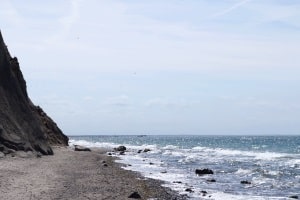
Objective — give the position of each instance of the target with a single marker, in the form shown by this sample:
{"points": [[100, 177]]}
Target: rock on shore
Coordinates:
{"points": [[23, 126]]}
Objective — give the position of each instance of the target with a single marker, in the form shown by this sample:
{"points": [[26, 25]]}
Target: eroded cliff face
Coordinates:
{"points": [[23, 126]]}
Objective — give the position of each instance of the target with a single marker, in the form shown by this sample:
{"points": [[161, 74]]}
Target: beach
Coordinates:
{"points": [[70, 174]]}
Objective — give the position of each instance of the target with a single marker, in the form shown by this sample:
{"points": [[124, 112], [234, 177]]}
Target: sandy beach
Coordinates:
{"points": [[74, 175]]}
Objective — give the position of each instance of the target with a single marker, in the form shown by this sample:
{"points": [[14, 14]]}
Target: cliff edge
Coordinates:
{"points": [[23, 126]]}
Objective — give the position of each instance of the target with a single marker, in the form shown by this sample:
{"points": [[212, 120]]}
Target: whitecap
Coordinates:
{"points": [[243, 171], [225, 196], [190, 158], [170, 147], [91, 144]]}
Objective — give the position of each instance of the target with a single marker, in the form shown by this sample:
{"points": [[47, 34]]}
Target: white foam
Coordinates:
{"points": [[294, 163], [225, 196], [220, 153], [262, 180], [243, 171], [141, 163], [199, 148], [170, 147], [269, 156], [92, 144], [174, 153], [190, 158], [153, 148], [272, 173]]}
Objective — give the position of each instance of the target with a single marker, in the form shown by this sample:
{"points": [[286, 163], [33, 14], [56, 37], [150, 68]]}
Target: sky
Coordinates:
{"points": [[160, 67]]}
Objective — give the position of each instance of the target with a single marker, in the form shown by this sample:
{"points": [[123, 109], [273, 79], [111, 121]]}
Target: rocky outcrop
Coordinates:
{"points": [[134, 195], [81, 148], [203, 171], [245, 182], [23, 126], [120, 148]]}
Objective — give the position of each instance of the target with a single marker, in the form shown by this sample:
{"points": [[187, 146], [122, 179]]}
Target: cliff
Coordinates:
{"points": [[23, 126]]}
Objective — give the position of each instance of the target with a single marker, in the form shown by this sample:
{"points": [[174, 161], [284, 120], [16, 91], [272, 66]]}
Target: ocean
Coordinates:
{"points": [[270, 163]]}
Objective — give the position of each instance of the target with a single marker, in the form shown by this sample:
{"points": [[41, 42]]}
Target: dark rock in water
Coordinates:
{"points": [[294, 197], [204, 193], [135, 195], [110, 154], [120, 148], [189, 190], [139, 151], [179, 182], [146, 150], [122, 152], [81, 148], [211, 180], [23, 126], [151, 163], [203, 171], [246, 182], [105, 165]]}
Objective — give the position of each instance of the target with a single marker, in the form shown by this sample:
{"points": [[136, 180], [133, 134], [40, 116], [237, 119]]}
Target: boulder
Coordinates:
{"points": [[189, 190], [135, 195], [246, 182], [211, 180], [121, 148], [146, 150], [22, 154], [204, 193], [81, 148], [178, 182], [38, 155], [294, 197], [203, 171]]}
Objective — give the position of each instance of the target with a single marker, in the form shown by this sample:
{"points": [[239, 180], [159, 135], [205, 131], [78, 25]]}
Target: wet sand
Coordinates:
{"points": [[74, 175]]}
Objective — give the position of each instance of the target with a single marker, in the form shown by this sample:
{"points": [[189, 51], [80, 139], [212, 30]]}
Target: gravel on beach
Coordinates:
{"points": [[75, 175]]}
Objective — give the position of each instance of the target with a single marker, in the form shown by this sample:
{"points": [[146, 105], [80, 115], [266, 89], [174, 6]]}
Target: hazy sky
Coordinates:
{"points": [[160, 67]]}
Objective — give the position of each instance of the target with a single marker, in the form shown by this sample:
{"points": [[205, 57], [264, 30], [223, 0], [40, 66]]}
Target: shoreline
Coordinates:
{"points": [[70, 174]]}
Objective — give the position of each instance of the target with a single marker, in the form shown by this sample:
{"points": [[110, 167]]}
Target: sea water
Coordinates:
{"points": [[270, 163]]}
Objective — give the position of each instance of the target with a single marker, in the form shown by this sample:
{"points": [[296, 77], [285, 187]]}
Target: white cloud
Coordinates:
{"points": [[230, 9], [88, 98], [122, 101], [165, 102], [10, 14], [67, 22]]}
